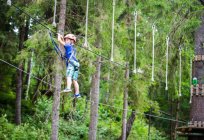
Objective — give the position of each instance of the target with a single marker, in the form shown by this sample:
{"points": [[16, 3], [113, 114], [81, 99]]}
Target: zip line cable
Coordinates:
{"points": [[153, 34], [151, 115], [113, 19], [31, 75], [167, 57], [87, 100], [135, 43]]}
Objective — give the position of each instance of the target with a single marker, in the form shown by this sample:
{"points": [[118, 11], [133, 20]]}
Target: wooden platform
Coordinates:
{"points": [[199, 58], [193, 128], [197, 90]]}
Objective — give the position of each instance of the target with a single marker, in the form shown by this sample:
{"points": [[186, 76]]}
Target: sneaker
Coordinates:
{"points": [[67, 90], [77, 95]]}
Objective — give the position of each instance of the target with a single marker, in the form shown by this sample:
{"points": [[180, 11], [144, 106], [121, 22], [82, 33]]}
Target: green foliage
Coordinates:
{"points": [[177, 19]]}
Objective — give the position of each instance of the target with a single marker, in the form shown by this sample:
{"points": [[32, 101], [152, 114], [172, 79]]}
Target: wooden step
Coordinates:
{"points": [[197, 90], [196, 124], [199, 58]]}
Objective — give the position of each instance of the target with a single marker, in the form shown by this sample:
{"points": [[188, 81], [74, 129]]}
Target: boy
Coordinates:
{"points": [[71, 62]]}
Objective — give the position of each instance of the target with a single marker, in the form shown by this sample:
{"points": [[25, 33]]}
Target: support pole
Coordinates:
{"points": [[135, 43], [112, 48]]}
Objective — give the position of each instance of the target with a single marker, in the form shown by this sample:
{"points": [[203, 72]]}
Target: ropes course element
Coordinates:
{"points": [[180, 71], [86, 30], [97, 54], [153, 34], [137, 112], [155, 116], [167, 57], [82, 47], [191, 94], [135, 43], [55, 7], [112, 47]]}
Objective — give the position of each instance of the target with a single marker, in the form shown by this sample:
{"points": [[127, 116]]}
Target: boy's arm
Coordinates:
{"points": [[60, 39]]}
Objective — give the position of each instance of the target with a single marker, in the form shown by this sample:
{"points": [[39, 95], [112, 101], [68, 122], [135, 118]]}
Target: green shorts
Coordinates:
{"points": [[72, 72]]}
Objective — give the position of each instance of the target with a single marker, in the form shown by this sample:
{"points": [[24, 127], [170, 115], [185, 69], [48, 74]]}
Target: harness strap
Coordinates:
{"points": [[58, 51]]}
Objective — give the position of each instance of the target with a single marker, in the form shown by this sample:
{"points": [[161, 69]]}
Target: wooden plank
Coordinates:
{"points": [[199, 57], [197, 89], [199, 124], [196, 59], [202, 90], [195, 124]]}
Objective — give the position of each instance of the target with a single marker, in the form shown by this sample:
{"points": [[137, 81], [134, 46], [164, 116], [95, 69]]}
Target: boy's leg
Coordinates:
{"points": [[69, 73], [76, 86], [69, 82]]}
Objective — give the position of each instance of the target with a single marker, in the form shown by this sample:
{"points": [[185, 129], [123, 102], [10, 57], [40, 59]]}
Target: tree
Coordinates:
{"points": [[58, 76]]}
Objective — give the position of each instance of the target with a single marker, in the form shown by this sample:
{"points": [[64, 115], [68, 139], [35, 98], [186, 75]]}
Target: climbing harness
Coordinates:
{"points": [[153, 33], [135, 41], [112, 48], [58, 51], [167, 56]]}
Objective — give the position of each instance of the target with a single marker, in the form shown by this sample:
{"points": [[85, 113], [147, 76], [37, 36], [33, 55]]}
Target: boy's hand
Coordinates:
{"points": [[59, 36]]}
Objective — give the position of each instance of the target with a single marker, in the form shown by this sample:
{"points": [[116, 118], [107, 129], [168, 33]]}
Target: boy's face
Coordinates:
{"points": [[70, 41]]}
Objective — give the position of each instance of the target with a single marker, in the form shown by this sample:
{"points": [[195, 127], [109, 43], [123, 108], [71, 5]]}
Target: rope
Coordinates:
{"points": [[190, 80], [167, 57], [179, 71], [57, 49], [112, 47], [135, 43], [153, 33], [54, 23], [86, 31]]}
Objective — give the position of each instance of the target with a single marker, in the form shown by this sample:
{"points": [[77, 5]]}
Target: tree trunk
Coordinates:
{"points": [[129, 124], [58, 76], [95, 100], [23, 35], [177, 117], [125, 105]]}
